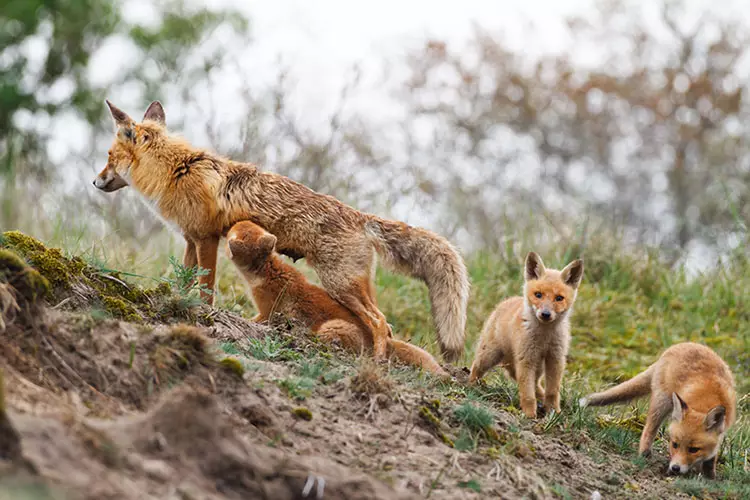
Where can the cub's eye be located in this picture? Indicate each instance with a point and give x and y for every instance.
(538, 295)
(559, 298)
(675, 445)
(146, 137)
(693, 449)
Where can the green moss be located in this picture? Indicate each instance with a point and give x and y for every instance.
(302, 413)
(27, 281)
(50, 262)
(120, 309)
(433, 424)
(121, 299)
(233, 365)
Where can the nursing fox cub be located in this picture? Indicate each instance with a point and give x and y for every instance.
(278, 287)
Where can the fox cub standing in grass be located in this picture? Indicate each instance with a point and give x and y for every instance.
(278, 287)
(204, 195)
(529, 335)
(693, 383)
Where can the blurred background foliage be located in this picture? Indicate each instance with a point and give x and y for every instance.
(637, 158)
(649, 143)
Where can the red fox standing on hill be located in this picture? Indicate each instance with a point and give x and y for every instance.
(529, 335)
(693, 383)
(204, 195)
(278, 287)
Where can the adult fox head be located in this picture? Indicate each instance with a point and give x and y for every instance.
(249, 246)
(549, 294)
(694, 437)
(131, 142)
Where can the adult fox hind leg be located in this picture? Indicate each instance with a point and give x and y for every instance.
(355, 295)
(346, 274)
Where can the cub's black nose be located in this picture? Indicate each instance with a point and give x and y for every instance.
(546, 315)
(675, 468)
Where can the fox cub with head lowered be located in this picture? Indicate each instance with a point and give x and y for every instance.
(278, 287)
(529, 335)
(696, 386)
(203, 195)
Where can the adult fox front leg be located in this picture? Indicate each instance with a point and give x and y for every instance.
(203, 195)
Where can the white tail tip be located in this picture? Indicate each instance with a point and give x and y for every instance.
(583, 402)
(595, 495)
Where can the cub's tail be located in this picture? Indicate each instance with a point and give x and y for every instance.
(427, 256)
(636, 387)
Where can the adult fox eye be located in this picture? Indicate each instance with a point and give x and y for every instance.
(538, 295)
(693, 449)
(675, 445)
(559, 298)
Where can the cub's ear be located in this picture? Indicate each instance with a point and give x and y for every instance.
(573, 273)
(155, 112)
(679, 407)
(534, 268)
(124, 123)
(715, 418)
(266, 243)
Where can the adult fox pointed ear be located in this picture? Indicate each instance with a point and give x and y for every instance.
(124, 123)
(679, 407)
(573, 273)
(534, 268)
(155, 112)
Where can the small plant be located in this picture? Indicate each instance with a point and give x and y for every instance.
(298, 388)
(471, 484)
(270, 348)
(186, 282)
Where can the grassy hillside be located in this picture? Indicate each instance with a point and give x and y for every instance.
(630, 307)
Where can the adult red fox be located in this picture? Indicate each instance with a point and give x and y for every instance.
(203, 195)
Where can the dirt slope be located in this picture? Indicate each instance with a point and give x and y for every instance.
(100, 408)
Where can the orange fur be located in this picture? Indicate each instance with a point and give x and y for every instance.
(203, 195)
(279, 287)
(529, 335)
(696, 386)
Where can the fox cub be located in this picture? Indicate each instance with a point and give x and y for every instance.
(529, 335)
(278, 287)
(693, 383)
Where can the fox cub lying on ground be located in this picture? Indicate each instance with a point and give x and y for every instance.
(693, 383)
(529, 335)
(278, 287)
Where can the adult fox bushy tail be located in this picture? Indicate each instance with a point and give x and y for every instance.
(696, 386)
(203, 195)
(279, 287)
(431, 258)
